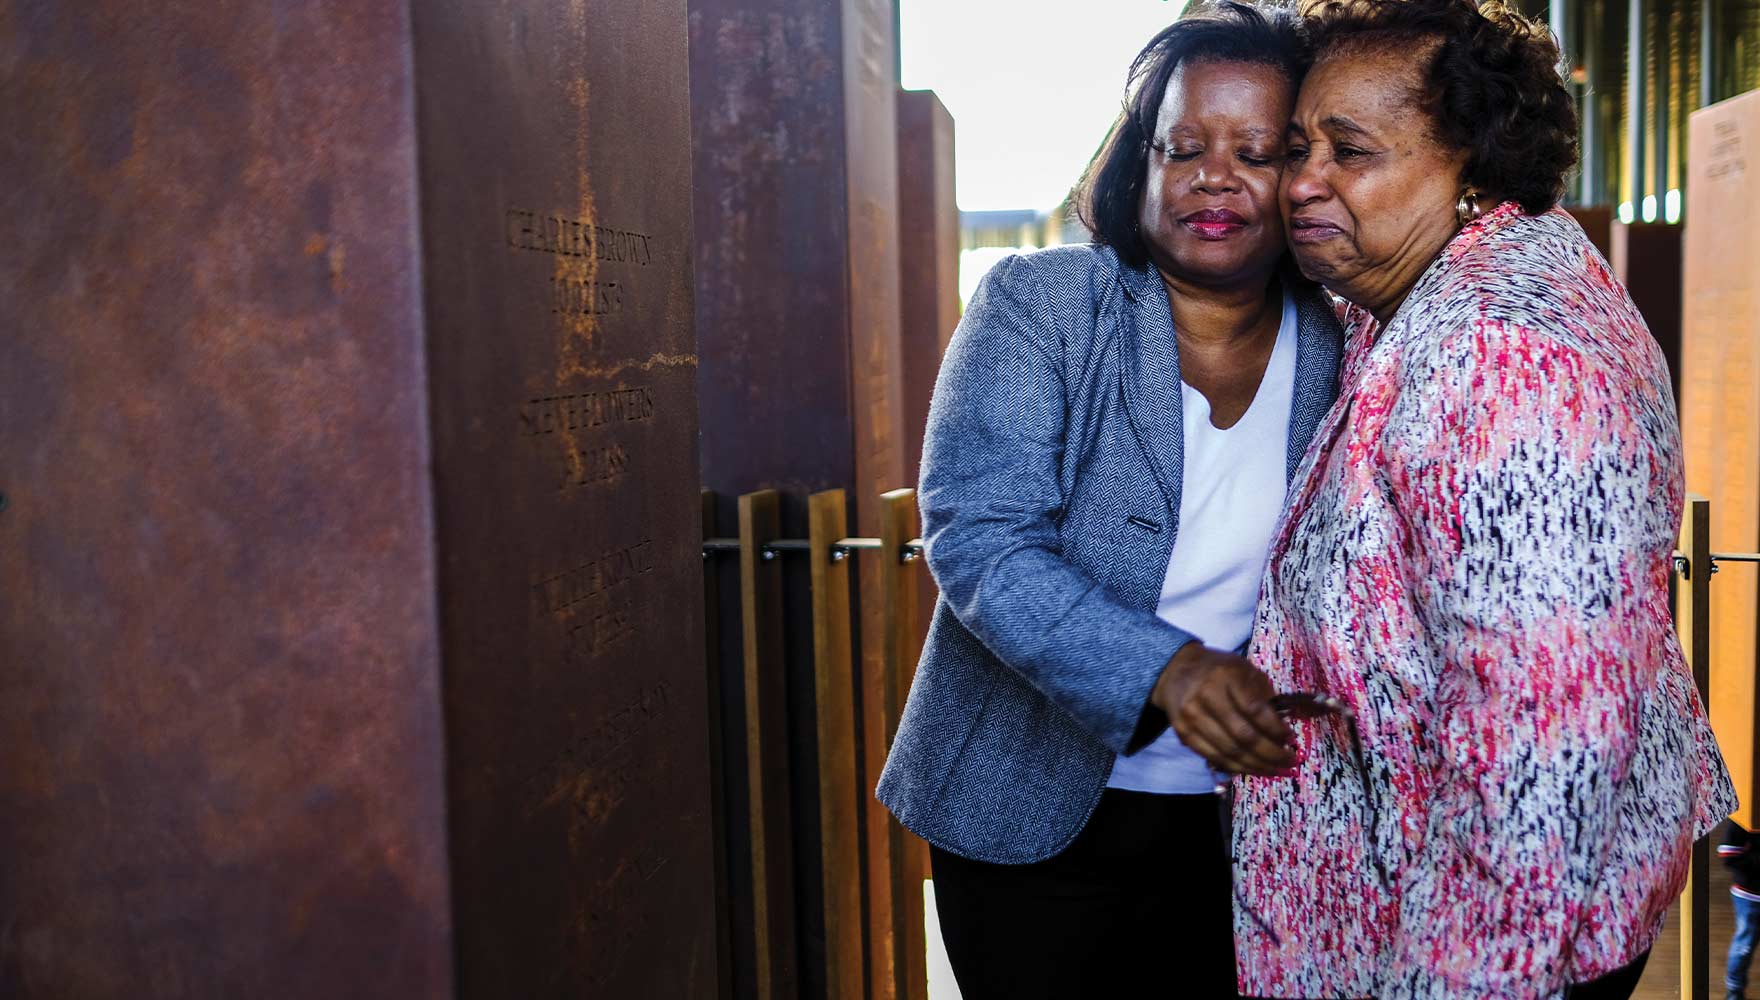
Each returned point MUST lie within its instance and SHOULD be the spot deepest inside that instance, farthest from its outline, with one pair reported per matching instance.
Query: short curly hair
(1110, 194)
(1493, 87)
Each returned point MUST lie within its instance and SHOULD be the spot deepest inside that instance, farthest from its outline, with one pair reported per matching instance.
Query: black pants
(1139, 905)
(1619, 984)
(1616, 985)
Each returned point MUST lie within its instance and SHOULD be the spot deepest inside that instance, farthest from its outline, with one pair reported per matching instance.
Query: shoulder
(1057, 296)
(1531, 301)
(1538, 273)
(1058, 276)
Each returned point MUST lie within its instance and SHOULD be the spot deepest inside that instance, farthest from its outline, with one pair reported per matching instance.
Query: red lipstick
(1214, 223)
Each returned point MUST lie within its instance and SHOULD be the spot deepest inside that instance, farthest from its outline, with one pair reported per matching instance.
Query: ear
(1457, 163)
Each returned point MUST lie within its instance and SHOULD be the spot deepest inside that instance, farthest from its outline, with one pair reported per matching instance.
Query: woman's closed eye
(1186, 154)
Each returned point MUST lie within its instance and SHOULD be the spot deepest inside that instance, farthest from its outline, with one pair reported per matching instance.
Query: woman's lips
(1214, 223)
(1312, 231)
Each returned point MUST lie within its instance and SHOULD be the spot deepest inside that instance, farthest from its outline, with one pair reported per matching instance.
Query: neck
(1399, 277)
(1220, 315)
(1387, 310)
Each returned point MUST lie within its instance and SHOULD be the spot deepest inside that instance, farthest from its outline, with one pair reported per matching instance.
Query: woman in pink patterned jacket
(1476, 556)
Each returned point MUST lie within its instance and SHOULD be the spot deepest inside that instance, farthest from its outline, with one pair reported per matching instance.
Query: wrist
(1176, 677)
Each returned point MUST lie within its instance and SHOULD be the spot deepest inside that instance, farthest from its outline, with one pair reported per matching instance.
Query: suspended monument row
(353, 634)
(353, 515)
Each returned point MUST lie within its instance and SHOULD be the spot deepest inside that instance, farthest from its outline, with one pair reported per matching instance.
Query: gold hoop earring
(1467, 210)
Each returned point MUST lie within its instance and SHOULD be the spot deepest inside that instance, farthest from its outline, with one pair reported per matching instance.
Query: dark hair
(1493, 86)
(1111, 192)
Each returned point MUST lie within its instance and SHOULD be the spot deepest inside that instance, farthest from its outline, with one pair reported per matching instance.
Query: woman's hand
(1220, 705)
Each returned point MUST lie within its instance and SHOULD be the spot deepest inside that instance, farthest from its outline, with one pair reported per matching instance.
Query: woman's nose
(1216, 174)
(1303, 182)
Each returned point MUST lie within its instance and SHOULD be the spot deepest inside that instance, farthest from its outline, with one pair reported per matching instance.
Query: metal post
(900, 567)
(767, 777)
(1594, 191)
(1710, 86)
(1663, 57)
(1637, 50)
(1558, 18)
(717, 760)
(834, 715)
(1693, 622)
(888, 896)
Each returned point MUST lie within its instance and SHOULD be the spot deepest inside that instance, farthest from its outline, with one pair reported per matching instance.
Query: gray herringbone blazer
(1050, 497)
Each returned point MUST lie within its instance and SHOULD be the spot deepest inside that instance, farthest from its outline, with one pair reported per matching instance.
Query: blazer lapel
(1150, 372)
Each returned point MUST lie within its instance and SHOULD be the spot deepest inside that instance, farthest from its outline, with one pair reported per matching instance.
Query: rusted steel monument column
(1720, 409)
(351, 642)
(928, 253)
(1646, 257)
(794, 122)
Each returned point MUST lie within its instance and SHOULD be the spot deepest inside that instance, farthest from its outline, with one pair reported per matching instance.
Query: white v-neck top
(1232, 491)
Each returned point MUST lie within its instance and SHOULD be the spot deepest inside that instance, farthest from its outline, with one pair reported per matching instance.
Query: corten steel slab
(556, 176)
(795, 146)
(928, 257)
(1597, 222)
(220, 720)
(348, 391)
(1720, 403)
(797, 283)
(1647, 258)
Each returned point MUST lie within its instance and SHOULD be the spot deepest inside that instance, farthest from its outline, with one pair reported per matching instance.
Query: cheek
(1384, 224)
(1268, 200)
(1369, 210)
(1151, 206)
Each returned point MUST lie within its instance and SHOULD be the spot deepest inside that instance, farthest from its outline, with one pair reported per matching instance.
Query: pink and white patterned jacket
(1476, 560)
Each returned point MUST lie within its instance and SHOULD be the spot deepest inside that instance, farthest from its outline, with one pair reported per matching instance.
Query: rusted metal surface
(908, 855)
(772, 329)
(928, 257)
(718, 812)
(1597, 222)
(220, 718)
(771, 855)
(785, 215)
(839, 851)
(350, 637)
(555, 165)
(1647, 258)
(794, 130)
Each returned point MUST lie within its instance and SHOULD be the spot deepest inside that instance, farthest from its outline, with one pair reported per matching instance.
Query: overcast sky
(1033, 85)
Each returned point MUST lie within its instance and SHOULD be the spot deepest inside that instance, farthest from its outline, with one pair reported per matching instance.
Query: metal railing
(1693, 624)
(870, 868)
(841, 549)
(888, 902)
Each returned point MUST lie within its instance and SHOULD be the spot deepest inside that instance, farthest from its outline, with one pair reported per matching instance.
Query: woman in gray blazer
(1108, 450)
